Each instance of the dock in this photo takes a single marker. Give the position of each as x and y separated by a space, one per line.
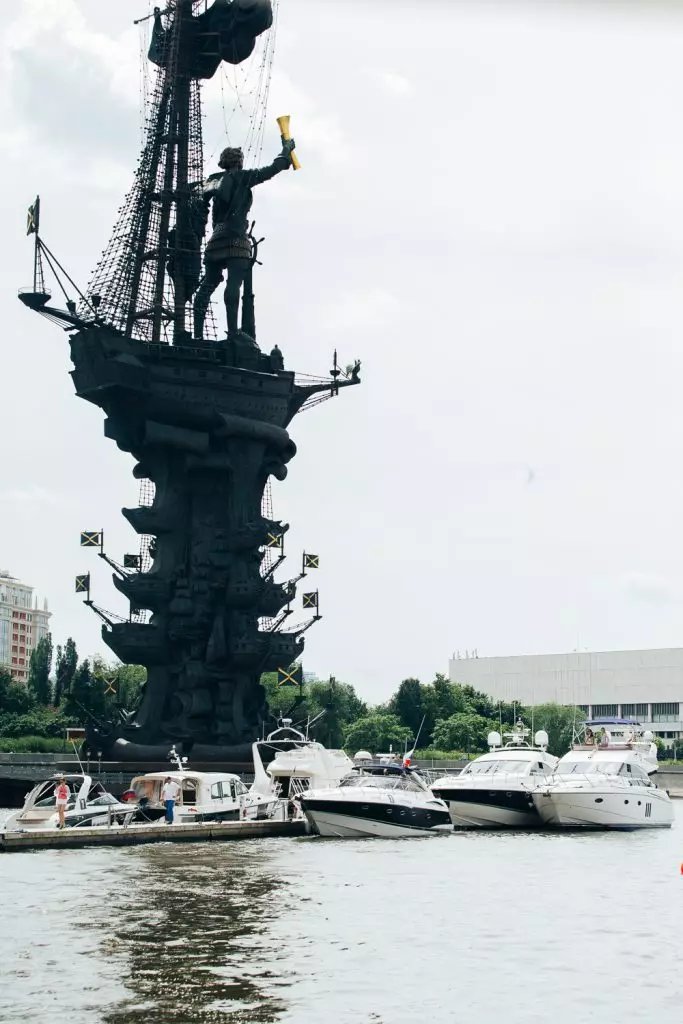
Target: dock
134 835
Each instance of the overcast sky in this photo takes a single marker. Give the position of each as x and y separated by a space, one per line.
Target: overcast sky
490 216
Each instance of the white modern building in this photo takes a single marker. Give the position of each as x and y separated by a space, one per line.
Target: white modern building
22 625
644 685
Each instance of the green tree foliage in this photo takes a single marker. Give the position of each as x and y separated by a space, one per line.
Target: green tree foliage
558 721
39 671
85 694
14 698
407 704
65 669
339 701
376 732
465 730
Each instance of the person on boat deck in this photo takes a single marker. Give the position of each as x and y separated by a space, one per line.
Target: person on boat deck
170 792
62 794
589 738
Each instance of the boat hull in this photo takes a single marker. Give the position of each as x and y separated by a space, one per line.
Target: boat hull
603 810
332 818
480 808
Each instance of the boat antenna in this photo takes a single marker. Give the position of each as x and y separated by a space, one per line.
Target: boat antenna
78 758
409 753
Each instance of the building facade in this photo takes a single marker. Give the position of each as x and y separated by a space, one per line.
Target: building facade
644 685
22 625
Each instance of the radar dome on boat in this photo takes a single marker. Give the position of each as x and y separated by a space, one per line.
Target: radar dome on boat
541 738
362 755
493 739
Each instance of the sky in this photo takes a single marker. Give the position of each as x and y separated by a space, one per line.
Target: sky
490 216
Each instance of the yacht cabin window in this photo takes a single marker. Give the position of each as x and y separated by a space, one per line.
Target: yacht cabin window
499 765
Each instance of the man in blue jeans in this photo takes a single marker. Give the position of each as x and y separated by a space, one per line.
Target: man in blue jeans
169 794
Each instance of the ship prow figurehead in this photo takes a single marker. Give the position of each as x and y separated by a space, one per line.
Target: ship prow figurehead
226 31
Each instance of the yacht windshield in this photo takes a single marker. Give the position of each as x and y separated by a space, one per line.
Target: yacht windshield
491 767
379 782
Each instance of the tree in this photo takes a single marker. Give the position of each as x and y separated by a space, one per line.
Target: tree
85 693
39 670
407 704
376 732
14 698
559 722
339 701
463 731
67 663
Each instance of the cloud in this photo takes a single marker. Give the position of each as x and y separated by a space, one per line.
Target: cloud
394 84
648 588
33 494
370 309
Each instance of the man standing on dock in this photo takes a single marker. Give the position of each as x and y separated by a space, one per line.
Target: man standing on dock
169 794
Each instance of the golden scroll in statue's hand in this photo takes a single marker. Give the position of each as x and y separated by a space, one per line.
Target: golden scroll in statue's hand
283 123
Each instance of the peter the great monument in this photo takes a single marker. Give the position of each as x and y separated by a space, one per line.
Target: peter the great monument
203 412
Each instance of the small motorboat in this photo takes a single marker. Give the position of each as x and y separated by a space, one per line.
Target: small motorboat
495 790
207 796
605 781
377 799
89 804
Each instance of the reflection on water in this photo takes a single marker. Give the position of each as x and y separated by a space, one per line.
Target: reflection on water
480 926
191 936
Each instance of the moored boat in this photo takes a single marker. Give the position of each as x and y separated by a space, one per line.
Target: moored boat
377 799
495 790
207 796
605 781
89 804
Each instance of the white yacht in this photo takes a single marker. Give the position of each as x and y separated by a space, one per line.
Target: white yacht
605 781
299 763
376 799
89 804
207 796
495 790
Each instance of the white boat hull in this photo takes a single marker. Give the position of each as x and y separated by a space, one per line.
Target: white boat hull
473 815
588 808
334 825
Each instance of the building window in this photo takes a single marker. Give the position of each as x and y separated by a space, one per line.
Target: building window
14 661
667 712
583 708
14 649
605 710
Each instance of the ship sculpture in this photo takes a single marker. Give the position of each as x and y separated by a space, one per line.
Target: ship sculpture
205 417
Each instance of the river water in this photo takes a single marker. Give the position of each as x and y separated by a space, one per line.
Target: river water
475 928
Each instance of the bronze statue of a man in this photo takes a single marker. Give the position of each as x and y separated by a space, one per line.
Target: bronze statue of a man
230 247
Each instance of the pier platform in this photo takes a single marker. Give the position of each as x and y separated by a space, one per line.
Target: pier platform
133 835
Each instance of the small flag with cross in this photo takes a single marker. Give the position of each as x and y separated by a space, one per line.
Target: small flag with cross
110 684
290 677
131 561
310 600
83 584
311 561
275 540
33 218
91 539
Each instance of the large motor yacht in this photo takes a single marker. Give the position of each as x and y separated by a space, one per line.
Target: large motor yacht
495 790
89 804
605 781
295 763
376 799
